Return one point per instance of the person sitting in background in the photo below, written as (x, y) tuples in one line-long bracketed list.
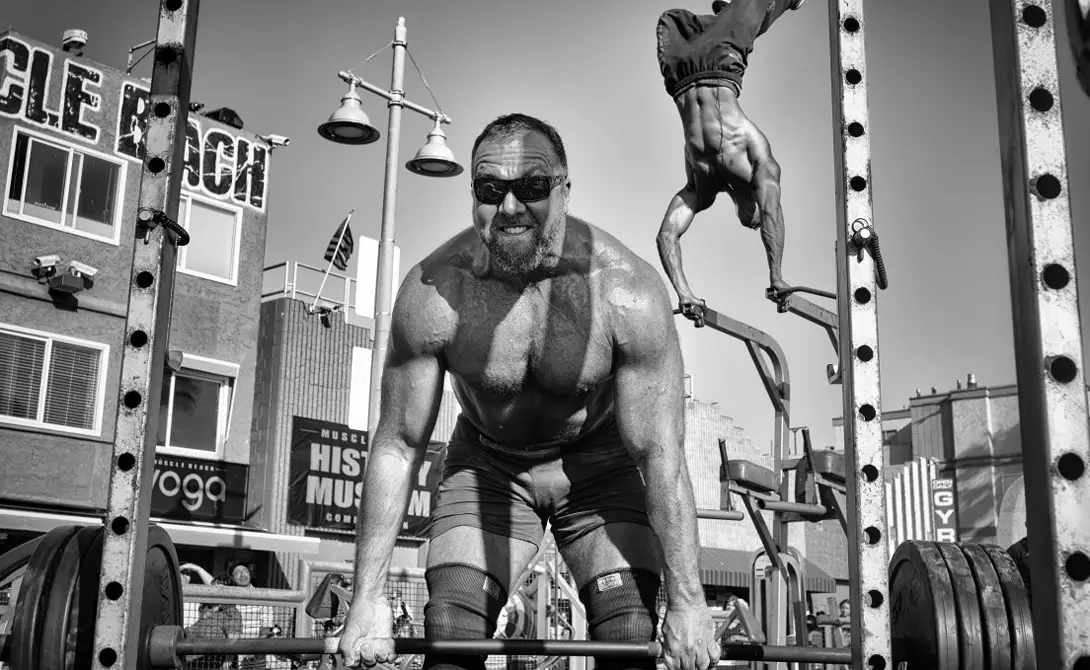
[(215, 621)]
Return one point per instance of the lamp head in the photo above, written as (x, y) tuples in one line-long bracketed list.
[(349, 124), (435, 159)]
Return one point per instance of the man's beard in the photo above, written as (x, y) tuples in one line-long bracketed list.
[(520, 257)]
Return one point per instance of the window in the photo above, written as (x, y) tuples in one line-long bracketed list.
[(56, 185), (195, 407), (213, 246), (50, 381)]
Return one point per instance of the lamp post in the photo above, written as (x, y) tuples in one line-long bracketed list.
[(350, 125)]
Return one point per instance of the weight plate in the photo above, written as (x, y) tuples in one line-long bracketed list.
[(30, 609), (971, 633), (59, 634), (993, 608), (1018, 612), (160, 600), (923, 613), (11, 562)]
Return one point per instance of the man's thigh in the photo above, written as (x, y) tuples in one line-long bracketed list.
[(483, 515), (502, 557), (601, 524), (611, 547)]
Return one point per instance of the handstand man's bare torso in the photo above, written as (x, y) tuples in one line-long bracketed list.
[(724, 153)]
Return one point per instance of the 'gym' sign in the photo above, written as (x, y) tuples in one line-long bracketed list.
[(944, 500)]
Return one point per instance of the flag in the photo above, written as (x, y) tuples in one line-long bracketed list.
[(341, 245)]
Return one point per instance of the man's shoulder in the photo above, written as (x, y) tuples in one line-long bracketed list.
[(628, 285), (619, 267), (442, 272), (432, 288)]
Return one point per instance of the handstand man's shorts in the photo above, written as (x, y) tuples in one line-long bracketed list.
[(513, 492), (712, 49)]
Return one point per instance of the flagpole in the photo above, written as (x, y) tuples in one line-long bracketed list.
[(333, 257)]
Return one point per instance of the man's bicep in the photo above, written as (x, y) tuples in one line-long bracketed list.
[(649, 377), (412, 382)]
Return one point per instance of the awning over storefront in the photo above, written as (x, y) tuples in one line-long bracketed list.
[(732, 567), (725, 567), (202, 535)]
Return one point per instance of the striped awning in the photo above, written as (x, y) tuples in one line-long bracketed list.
[(732, 567), (725, 567)]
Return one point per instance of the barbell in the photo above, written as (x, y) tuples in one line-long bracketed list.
[(952, 606)]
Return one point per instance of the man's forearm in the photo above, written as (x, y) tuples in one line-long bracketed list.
[(672, 512), (670, 256), (386, 487)]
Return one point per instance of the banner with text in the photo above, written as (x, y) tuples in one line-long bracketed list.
[(190, 488), (326, 483), (944, 499)]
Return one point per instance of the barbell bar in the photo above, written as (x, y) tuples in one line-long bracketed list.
[(952, 606), (168, 643)]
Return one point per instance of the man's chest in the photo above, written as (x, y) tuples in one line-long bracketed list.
[(555, 336)]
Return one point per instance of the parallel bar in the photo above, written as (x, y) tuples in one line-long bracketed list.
[(804, 509), (719, 514), (412, 646), (868, 554), (117, 621), (817, 315), (1047, 331)]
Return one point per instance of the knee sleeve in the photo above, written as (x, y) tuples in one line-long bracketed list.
[(621, 608), (463, 603)]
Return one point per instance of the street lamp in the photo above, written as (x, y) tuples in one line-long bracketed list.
[(350, 125)]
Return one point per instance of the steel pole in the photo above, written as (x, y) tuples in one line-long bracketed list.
[(384, 272)]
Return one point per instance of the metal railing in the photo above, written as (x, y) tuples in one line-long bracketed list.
[(300, 281)]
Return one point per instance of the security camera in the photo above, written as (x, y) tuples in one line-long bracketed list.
[(46, 262), (275, 140), (82, 269)]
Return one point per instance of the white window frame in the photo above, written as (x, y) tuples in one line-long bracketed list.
[(100, 391), (183, 252), (199, 367), (70, 147)]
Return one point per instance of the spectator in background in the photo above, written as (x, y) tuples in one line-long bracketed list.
[(400, 615), (215, 621)]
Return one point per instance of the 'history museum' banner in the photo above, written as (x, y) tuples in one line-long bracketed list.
[(326, 479)]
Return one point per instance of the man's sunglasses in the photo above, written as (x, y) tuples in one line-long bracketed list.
[(527, 189)]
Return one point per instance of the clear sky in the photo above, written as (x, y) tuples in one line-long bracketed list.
[(589, 68)]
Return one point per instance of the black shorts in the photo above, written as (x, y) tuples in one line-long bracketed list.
[(579, 487), (712, 49)]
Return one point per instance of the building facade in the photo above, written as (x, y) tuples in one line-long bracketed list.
[(972, 436), (71, 140)]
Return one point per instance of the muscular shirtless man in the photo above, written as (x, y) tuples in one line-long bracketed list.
[(563, 354), (703, 59)]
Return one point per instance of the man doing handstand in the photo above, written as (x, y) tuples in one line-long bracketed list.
[(703, 59)]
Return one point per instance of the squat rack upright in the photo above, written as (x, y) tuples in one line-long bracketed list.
[(1044, 299)]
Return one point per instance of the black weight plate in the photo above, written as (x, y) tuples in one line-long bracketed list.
[(160, 602), (30, 609), (1018, 612), (62, 613), (11, 562), (971, 637), (923, 613), (993, 608)]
